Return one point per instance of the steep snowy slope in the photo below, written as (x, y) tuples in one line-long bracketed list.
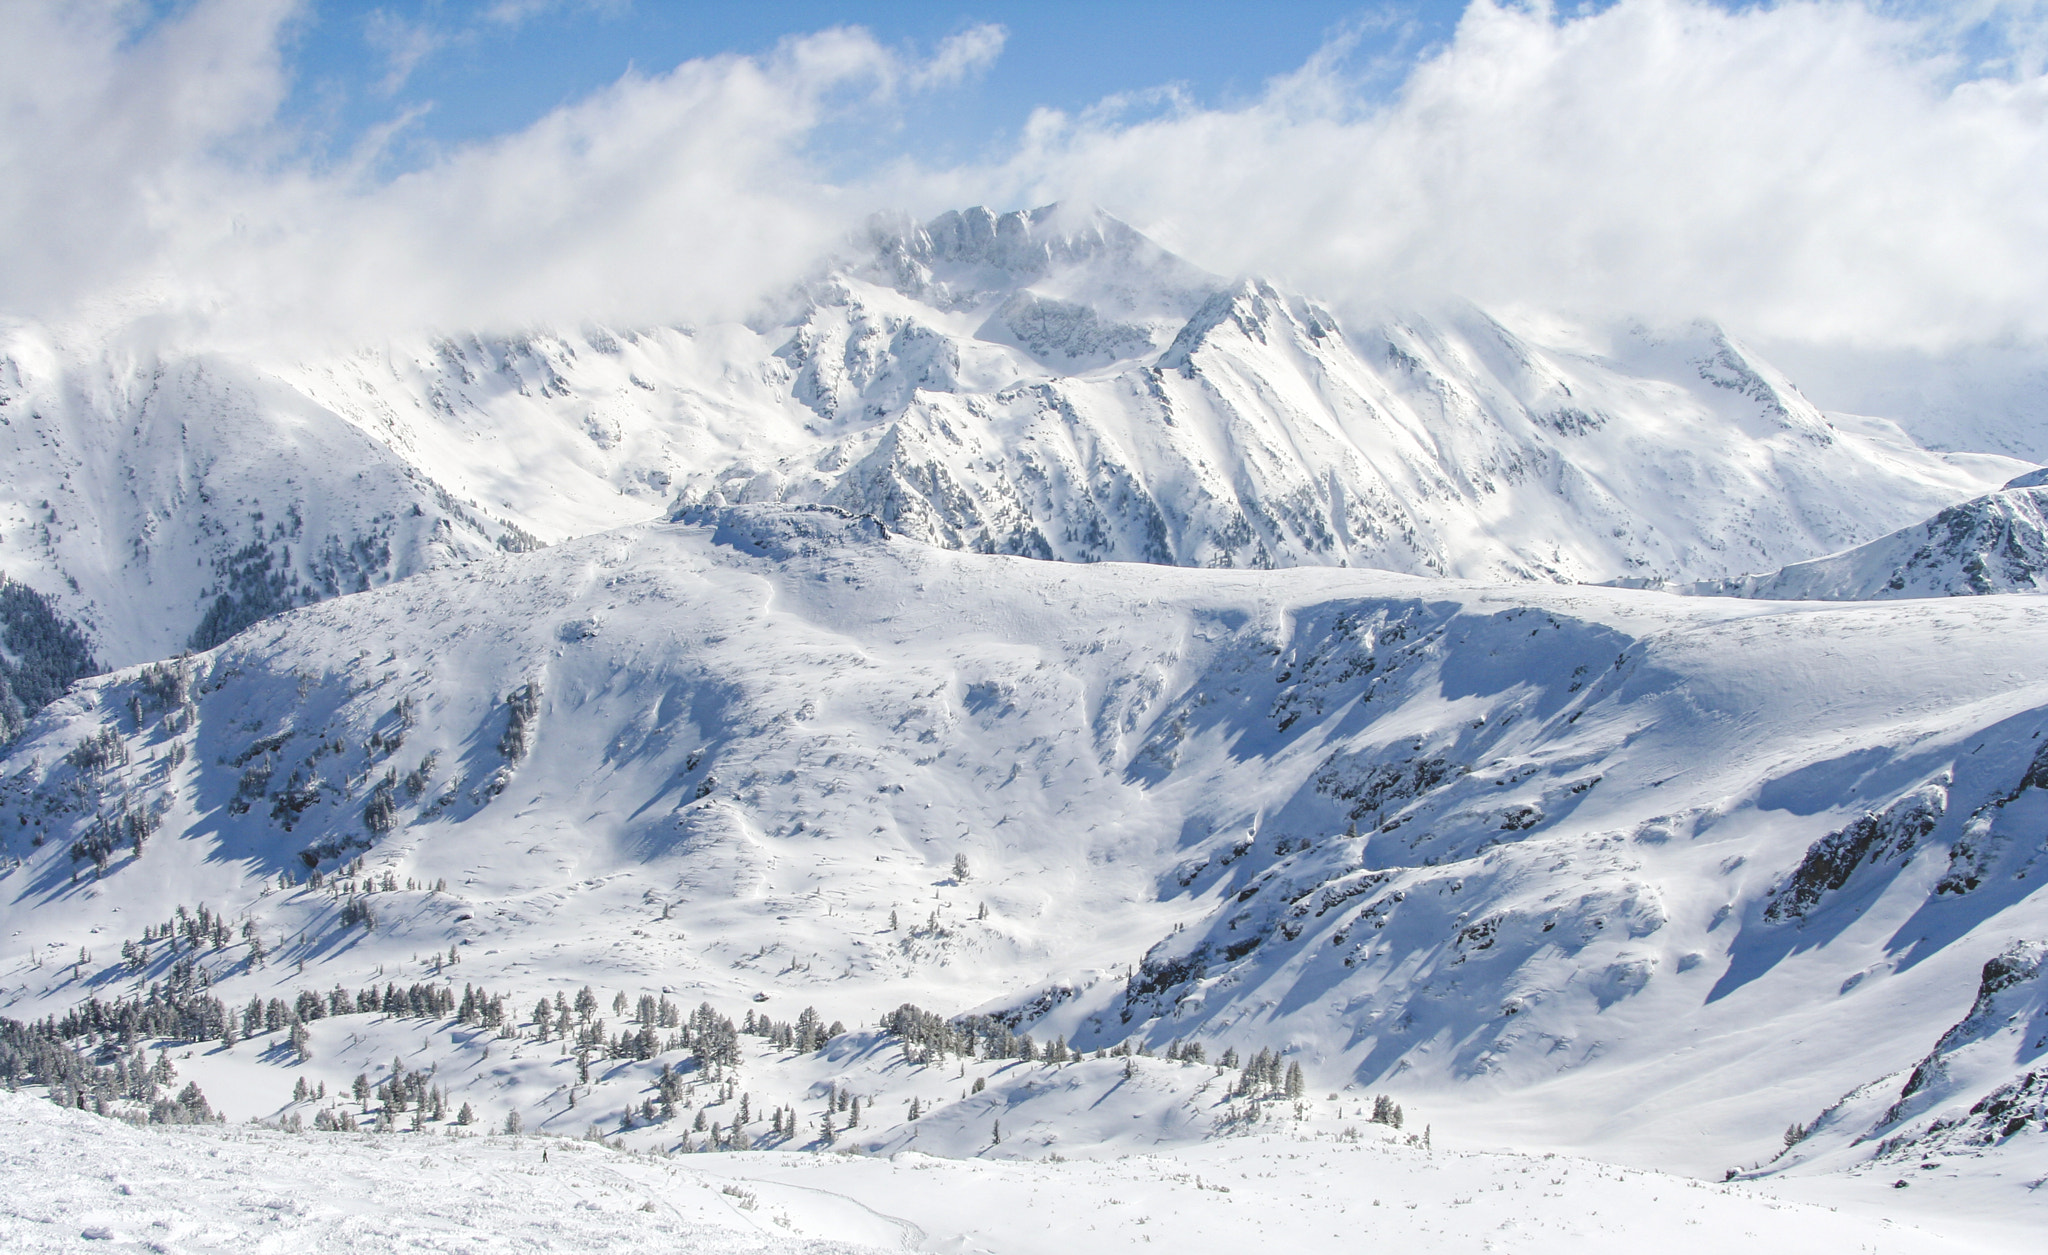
[(1997, 543), (1575, 866), (1980, 1093), (167, 502), (1050, 384)]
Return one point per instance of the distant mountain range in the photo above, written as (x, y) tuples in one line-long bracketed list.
[(1050, 384)]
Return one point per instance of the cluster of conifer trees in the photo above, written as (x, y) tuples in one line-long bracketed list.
[(114, 1082), (927, 1036), (90, 1058), (808, 1033), (44, 654), (1263, 1077)]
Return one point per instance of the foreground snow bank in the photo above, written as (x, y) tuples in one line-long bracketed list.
[(77, 1181)]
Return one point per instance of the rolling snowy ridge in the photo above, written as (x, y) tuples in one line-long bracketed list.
[(1566, 866)]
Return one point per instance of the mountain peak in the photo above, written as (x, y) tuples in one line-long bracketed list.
[(965, 257)]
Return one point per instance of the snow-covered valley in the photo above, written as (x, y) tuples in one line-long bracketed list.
[(1571, 870), (77, 1184)]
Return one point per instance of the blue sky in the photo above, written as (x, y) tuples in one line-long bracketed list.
[(462, 71)]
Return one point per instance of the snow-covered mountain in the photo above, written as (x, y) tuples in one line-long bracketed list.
[(1031, 697), (167, 501), (1569, 866), (1996, 543), (1050, 384)]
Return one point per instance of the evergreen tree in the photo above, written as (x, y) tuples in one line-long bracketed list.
[(1385, 1111)]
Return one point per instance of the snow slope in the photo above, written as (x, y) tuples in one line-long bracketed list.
[(167, 501), (79, 1183), (76, 1182), (1980, 1094), (1996, 543), (1576, 868), (1050, 384)]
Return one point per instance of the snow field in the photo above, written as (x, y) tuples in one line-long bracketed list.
[(81, 1183), (77, 1182)]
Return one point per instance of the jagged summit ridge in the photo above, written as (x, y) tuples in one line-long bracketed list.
[(1006, 383), (963, 257)]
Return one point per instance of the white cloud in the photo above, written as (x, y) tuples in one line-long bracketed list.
[(403, 45), (960, 57), (105, 151), (1804, 170), (156, 180), (516, 13), (1810, 171)]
